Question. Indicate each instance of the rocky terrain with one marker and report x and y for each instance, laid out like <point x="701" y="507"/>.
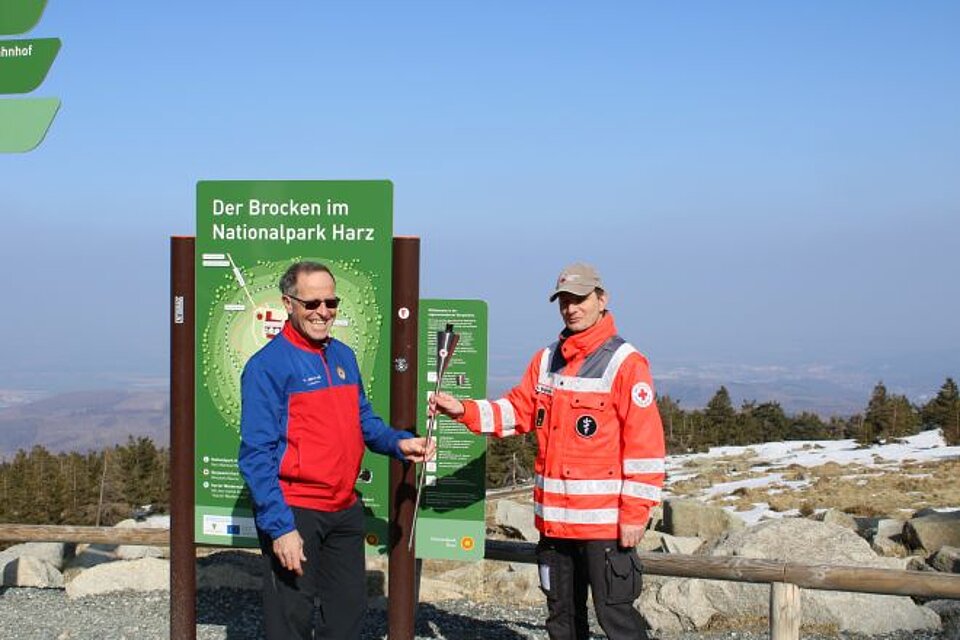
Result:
<point x="812" y="503"/>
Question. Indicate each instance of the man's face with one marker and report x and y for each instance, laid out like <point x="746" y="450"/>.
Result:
<point x="581" y="312"/>
<point x="314" y="325"/>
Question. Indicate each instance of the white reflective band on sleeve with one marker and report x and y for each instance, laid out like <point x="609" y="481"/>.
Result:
<point x="643" y="465"/>
<point x="590" y="385"/>
<point x="544" y="377"/>
<point x="577" y="516"/>
<point x="579" y="487"/>
<point x="508" y="416"/>
<point x="641" y="490"/>
<point x="486" y="416"/>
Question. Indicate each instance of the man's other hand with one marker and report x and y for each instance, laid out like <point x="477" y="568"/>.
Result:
<point x="289" y="551"/>
<point x="630" y="534"/>
<point x="444" y="403"/>
<point x="417" y="449"/>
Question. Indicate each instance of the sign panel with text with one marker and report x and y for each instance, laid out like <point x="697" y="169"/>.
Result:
<point x="248" y="233"/>
<point x="451" y="520"/>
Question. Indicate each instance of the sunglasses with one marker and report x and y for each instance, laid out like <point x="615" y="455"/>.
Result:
<point x="312" y="305"/>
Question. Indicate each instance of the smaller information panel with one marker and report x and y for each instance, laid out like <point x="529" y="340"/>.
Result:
<point x="451" y="521"/>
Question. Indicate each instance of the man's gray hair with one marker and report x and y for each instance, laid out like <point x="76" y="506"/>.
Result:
<point x="288" y="281"/>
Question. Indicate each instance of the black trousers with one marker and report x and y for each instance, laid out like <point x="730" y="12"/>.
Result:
<point x="334" y="576"/>
<point x="568" y="567"/>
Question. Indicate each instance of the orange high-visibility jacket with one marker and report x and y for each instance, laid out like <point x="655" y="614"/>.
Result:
<point x="600" y="454"/>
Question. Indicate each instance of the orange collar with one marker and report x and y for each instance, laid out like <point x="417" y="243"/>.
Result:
<point x="589" y="340"/>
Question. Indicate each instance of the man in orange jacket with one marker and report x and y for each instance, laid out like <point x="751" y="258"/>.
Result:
<point x="600" y="459"/>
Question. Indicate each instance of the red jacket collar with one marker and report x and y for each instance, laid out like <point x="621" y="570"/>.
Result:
<point x="298" y="340"/>
<point x="588" y="340"/>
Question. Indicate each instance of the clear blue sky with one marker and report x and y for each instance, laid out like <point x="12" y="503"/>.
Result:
<point x="763" y="183"/>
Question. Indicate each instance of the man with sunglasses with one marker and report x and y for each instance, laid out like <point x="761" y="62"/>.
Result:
<point x="304" y="422"/>
<point x="600" y="459"/>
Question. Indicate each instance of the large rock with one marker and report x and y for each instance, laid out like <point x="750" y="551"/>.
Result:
<point x="433" y="590"/>
<point x="89" y="555"/>
<point x="676" y="604"/>
<point x="230" y="570"/>
<point x="947" y="560"/>
<point x="148" y="574"/>
<point x="517" y="518"/>
<point x="838" y="517"/>
<point x="689" y="518"/>
<point x="28" y="571"/>
<point x="933" y="531"/>
<point x="137" y="551"/>
<point x="53" y="553"/>
<point x="487" y="580"/>
<point x="658" y="541"/>
<point x="949" y="612"/>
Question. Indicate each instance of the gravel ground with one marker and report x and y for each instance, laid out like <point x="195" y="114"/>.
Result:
<point x="44" y="614"/>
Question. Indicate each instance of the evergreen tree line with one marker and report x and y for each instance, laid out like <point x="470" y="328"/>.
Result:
<point x="104" y="487"/>
<point x="719" y="423"/>
<point x="93" y="488"/>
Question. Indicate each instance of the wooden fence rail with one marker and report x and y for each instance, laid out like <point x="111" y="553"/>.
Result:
<point x="785" y="578"/>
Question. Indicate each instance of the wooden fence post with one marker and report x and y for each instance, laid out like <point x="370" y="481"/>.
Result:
<point x="784" y="611"/>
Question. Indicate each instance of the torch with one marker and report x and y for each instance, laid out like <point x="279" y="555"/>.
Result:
<point x="446" y="343"/>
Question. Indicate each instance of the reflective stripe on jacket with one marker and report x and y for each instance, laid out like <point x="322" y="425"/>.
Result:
<point x="600" y="453"/>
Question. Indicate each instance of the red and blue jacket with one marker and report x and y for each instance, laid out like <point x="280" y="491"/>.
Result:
<point x="303" y="425"/>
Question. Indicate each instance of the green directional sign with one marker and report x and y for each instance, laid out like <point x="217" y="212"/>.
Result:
<point x="248" y="233"/>
<point x="19" y="16"/>
<point x="451" y="525"/>
<point x="25" y="63"/>
<point x="24" y="122"/>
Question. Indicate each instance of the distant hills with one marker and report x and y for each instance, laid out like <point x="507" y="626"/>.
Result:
<point x="90" y="420"/>
<point x="82" y="420"/>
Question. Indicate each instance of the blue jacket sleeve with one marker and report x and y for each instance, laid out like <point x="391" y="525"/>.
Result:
<point x="263" y="408"/>
<point x="379" y="437"/>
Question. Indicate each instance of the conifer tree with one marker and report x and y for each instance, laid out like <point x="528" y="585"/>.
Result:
<point x="943" y="411"/>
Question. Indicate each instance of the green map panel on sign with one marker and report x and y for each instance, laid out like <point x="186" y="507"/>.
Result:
<point x="20" y="16"/>
<point x="247" y="312"/>
<point x="24" y="122"/>
<point x="25" y="63"/>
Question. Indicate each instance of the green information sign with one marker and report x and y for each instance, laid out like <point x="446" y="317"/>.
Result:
<point x="248" y="233"/>
<point x="20" y="16"/>
<point x="25" y="63"/>
<point x="451" y="520"/>
<point x="24" y="123"/>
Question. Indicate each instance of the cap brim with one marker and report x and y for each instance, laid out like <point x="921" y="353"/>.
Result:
<point x="575" y="289"/>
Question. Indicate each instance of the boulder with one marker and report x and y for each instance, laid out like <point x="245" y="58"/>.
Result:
<point x="930" y="532"/>
<point x="232" y="569"/>
<point x="148" y="574"/>
<point x="28" y="571"/>
<point x="838" y="517"/>
<point x="89" y="555"/>
<point x="137" y="551"/>
<point x="679" y="544"/>
<point x="889" y="548"/>
<point x="488" y="580"/>
<point x="517" y="518"/>
<point x="433" y="590"/>
<point x="947" y="560"/>
<point x="949" y="612"/>
<point x="658" y="541"/>
<point x="689" y="518"/>
<point x="652" y="541"/>
<point x="515" y="583"/>
<point x="672" y="604"/>
<point x="891" y="528"/>
<point x="53" y="553"/>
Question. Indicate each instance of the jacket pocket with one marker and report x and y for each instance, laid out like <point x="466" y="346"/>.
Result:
<point x="624" y="577"/>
